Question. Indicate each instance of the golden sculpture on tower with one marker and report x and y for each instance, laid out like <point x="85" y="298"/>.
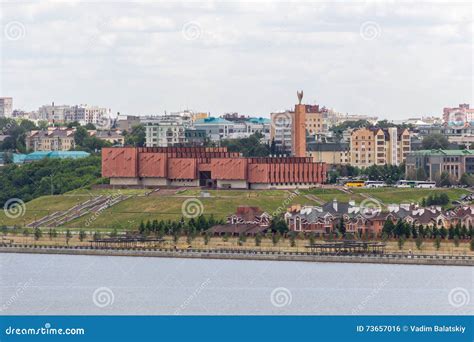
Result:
<point x="300" y="96"/>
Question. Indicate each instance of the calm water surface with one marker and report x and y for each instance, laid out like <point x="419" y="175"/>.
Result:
<point x="32" y="284"/>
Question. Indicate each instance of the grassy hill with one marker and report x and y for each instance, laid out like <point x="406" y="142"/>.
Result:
<point x="167" y="204"/>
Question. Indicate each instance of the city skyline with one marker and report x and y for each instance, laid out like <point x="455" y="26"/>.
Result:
<point x="383" y="59"/>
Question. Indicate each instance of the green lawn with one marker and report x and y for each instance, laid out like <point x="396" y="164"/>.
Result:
<point x="128" y="214"/>
<point x="42" y="206"/>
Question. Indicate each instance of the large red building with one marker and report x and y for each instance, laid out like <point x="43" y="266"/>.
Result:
<point x="211" y="167"/>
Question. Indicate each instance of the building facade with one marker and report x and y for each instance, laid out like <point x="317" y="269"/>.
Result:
<point x="379" y="146"/>
<point x="6" y="107"/>
<point x="458" y="116"/>
<point x="84" y="114"/>
<point x="333" y="153"/>
<point x="359" y="220"/>
<point x="435" y="162"/>
<point x="216" y="128"/>
<point x="207" y="167"/>
<point x="50" y="140"/>
<point x="166" y="130"/>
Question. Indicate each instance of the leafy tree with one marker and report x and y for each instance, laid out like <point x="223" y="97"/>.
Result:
<point x="437" y="243"/>
<point x="466" y="179"/>
<point x="456" y="240"/>
<point x="207" y="238"/>
<point x="258" y="239"/>
<point x="113" y="233"/>
<point x="226" y="236"/>
<point x="90" y="126"/>
<point x="82" y="235"/>
<point x="80" y="135"/>
<point x="401" y="242"/>
<point x="419" y="242"/>
<point x="276" y="238"/>
<point x="142" y="228"/>
<point x="242" y="239"/>
<point x="421" y="174"/>
<point x="445" y="180"/>
<point x="68" y="236"/>
<point x="136" y="137"/>
<point x="388" y="227"/>
<point x="96" y="236"/>
<point x="38" y="234"/>
<point x="33" y="180"/>
<point x="435" y="141"/>
<point x="312" y="239"/>
<point x="249" y="147"/>
<point x="279" y="225"/>
<point x="292" y="237"/>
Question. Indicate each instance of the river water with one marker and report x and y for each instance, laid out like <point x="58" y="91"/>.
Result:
<point x="34" y="284"/>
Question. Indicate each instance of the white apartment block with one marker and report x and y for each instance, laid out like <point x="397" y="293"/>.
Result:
<point x="84" y="114"/>
<point x="6" y="107"/>
<point x="164" y="131"/>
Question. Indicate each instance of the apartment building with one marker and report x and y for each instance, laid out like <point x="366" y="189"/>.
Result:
<point x="216" y="128"/>
<point x="6" y="107"/>
<point x="332" y="153"/>
<point x="84" y="114"/>
<point x="166" y="130"/>
<point x="458" y="116"/>
<point x="280" y="130"/>
<point x="435" y="162"/>
<point x="379" y="146"/>
<point x="55" y="139"/>
<point x="315" y="120"/>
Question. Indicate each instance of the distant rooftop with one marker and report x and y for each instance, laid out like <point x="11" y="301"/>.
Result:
<point x="445" y="152"/>
<point x="212" y="121"/>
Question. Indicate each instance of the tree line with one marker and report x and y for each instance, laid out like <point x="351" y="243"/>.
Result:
<point x="48" y="177"/>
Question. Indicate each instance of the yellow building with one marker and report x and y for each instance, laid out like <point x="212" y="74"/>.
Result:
<point x="53" y="139"/>
<point x="379" y="146"/>
<point x="330" y="153"/>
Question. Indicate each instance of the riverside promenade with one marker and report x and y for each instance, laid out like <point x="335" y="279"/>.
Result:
<point x="245" y="254"/>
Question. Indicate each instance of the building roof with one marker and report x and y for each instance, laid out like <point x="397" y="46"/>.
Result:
<point x="211" y="121"/>
<point x="444" y="152"/>
<point x="259" y="120"/>
<point x="38" y="155"/>
<point x="315" y="146"/>
<point x="52" y="133"/>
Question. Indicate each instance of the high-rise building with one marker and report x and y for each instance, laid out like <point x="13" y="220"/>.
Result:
<point x="6" y="107"/>
<point x="298" y="144"/>
<point x="379" y="146"/>
<point x="434" y="162"/>
<point x="289" y="128"/>
<point x="459" y="116"/>
<point x="166" y="130"/>
<point x="84" y="114"/>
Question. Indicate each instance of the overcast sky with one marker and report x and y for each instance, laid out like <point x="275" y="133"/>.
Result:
<point x="392" y="59"/>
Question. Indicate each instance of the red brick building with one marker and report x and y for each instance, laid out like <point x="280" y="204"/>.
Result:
<point x="211" y="167"/>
